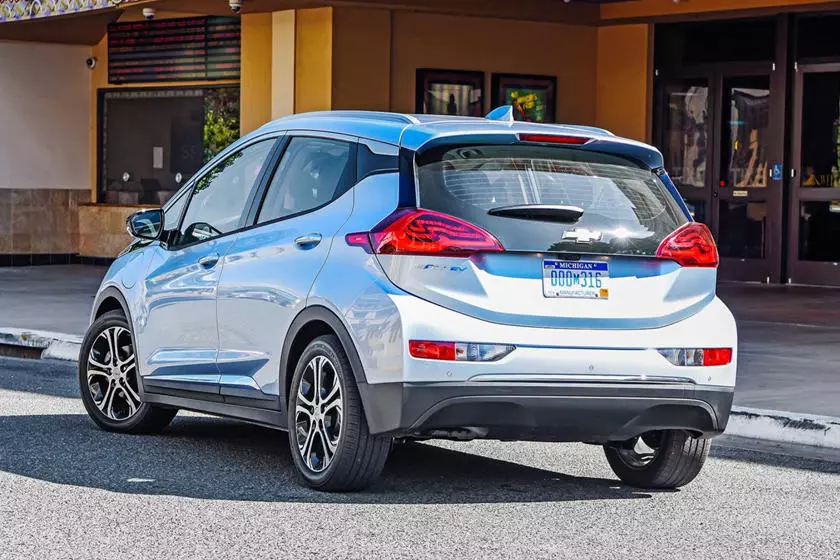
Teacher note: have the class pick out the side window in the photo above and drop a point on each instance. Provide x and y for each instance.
(173, 210)
(219, 198)
(313, 172)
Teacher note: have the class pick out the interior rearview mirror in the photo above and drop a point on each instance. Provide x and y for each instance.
(145, 224)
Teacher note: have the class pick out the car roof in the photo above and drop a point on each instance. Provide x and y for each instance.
(419, 132)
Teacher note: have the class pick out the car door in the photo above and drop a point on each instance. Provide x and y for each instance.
(178, 335)
(270, 269)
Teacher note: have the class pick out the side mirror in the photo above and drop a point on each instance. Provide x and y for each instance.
(146, 224)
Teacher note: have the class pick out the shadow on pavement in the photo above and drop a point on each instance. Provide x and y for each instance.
(785, 460)
(223, 460)
(42, 377)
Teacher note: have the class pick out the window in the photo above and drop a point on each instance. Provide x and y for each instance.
(173, 210)
(219, 197)
(313, 172)
(625, 208)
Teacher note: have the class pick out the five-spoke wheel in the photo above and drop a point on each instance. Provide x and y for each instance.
(318, 413)
(112, 374)
(110, 381)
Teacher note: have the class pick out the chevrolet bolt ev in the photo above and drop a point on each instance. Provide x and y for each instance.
(355, 278)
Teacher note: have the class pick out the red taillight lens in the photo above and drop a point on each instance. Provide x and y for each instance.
(554, 139)
(690, 245)
(717, 356)
(414, 231)
(432, 350)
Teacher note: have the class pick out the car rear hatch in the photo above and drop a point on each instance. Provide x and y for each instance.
(547, 232)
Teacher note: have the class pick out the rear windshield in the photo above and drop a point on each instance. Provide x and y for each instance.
(626, 209)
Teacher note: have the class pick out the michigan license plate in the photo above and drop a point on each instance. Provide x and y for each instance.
(576, 279)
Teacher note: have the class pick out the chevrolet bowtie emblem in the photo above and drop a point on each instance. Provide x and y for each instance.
(582, 235)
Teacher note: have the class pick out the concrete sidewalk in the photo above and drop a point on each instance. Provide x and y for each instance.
(789, 336)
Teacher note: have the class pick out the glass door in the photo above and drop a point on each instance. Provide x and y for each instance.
(814, 243)
(721, 141)
(748, 192)
(685, 138)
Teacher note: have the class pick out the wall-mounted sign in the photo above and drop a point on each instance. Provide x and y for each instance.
(174, 50)
(533, 98)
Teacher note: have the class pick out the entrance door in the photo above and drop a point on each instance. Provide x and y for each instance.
(814, 242)
(721, 137)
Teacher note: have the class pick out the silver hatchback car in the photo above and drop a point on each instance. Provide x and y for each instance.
(356, 278)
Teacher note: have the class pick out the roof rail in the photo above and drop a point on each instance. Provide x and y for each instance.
(365, 115)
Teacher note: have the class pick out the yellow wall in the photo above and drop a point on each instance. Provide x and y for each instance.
(623, 80)
(495, 45)
(649, 8)
(282, 63)
(361, 59)
(313, 60)
(255, 89)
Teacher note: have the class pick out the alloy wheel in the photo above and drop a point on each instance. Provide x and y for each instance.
(640, 451)
(112, 374)
(318, 413)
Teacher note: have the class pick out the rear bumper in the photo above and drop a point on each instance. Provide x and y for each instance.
(592, 412)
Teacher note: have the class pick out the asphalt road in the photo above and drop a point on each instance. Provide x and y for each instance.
(211, 488)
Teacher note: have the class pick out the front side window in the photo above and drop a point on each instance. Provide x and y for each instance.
(219, 197)
(313, 172)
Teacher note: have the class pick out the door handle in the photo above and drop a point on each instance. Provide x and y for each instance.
(308, 241)
(209, 261)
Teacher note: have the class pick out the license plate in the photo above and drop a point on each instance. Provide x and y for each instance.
(576, 279)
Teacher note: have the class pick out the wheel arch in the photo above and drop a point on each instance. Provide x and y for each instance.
(111, 299)
(309, 324)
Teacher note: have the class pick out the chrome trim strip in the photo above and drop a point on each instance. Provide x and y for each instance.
(571, 378)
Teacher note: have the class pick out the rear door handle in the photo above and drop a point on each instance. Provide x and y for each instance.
(308, 241)
(209, 261)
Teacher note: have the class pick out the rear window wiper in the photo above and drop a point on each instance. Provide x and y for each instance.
(541, 212)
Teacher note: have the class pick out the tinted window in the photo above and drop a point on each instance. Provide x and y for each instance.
(173, 210)
(313, 172)
(219, 197)
(552, 199)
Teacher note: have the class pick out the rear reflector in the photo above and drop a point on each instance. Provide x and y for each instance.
(690, 245)
(554, 139)
(458, 351)
(697, 357)
(415, 231)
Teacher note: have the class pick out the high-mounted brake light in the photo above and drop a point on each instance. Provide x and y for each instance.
(690, 245)
(554, 139)
(458, 351)
(414, 231)
(694, 357)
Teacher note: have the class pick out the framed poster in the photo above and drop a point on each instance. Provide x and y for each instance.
(533, 98)
(449, 92)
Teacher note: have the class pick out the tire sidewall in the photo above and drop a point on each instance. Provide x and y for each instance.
(323, 346)
(107, 320)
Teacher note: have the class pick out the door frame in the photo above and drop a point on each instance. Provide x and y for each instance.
(799, 271)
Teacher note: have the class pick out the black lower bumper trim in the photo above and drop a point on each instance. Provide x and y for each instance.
(595, 412)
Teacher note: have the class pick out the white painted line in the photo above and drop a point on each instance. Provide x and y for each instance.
(785, 427)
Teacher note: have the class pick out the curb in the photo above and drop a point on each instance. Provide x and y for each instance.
(751, 423)
(784, 427)
(52, 345)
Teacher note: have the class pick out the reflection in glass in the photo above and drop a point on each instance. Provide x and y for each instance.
(697, 209)
(819, 231)
(746, 136)
(820, 129)
(685, 139)
(743, 227)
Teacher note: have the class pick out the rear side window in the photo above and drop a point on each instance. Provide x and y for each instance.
(535, 198)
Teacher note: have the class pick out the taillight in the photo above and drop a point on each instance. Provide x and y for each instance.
(690, 245)
(414, 231)
(554, 139)
(458, 351)
(694, 357)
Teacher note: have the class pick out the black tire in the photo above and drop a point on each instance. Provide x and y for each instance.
(678, 458)
(147, 419)
(359, 457)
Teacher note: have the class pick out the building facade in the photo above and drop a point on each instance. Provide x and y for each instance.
(103, 111)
